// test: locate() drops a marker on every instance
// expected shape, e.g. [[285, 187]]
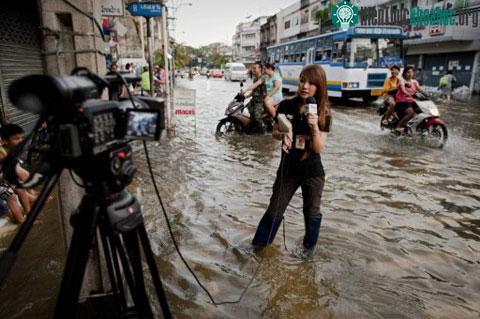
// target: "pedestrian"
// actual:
[[446, 84], [300, 164], [115, 91], [160, 75]]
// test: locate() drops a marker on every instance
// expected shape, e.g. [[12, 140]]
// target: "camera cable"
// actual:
[[170, 230]]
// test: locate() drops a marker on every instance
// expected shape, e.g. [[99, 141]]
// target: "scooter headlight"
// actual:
[[434, 112]]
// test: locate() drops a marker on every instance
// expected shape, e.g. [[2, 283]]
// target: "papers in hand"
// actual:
[[284, 125]]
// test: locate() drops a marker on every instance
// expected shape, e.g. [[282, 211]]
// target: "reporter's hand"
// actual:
[[287, 142], [312, 120]]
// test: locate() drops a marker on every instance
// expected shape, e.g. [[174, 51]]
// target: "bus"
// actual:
[[356, 60]]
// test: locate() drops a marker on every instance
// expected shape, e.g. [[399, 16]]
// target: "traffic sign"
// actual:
[[145, 9]]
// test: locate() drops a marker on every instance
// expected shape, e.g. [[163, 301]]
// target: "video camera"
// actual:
[[85, 133], [90, 136]]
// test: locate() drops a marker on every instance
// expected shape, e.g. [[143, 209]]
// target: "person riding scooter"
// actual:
[[389, 90], [258, 91], [405, 102]]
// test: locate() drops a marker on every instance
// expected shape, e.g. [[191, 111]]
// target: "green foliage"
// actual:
[[322, 14], [211, 55], [158, 57]]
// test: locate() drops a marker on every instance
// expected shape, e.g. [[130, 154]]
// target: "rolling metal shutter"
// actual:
[[20, 54]]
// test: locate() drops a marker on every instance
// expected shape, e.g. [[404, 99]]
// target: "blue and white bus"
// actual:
[[356, 61]]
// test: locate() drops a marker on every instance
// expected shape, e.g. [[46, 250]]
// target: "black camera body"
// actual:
[[96, 124]]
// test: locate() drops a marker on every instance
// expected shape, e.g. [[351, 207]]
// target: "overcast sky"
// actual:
[[208, 21]]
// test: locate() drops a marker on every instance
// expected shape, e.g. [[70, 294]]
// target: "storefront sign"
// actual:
[[184, 102], [145, 9], [111, 7]]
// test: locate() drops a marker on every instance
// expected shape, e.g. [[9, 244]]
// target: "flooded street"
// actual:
[[401, 230], [400, 236]]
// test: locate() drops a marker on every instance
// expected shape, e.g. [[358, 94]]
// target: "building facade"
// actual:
[[299, 20], [438, 49], [268, 35], [246, 41], [45, 37]]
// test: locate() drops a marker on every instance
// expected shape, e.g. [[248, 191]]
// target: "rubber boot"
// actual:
[[266, 230], [312, 229]]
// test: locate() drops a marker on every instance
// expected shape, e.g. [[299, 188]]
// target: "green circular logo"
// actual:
[[344, 15]]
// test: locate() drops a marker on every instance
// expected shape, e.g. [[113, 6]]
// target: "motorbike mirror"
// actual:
[[241, 83]]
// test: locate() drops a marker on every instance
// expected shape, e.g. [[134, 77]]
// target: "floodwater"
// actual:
[[400, 236]]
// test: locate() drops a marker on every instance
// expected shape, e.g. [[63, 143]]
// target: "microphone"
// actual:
[[311, 105]]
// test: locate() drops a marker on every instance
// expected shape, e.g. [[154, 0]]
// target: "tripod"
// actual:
[[122, 232], [118, 218]]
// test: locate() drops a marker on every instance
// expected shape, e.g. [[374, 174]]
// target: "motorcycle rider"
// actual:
[[258, 91], [274, 89], [389, 87], [405, 102]]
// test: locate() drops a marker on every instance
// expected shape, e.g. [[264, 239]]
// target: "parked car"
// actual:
[[236, 72], [216, 74]]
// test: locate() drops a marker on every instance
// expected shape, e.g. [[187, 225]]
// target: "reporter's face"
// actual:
[[306, 89]]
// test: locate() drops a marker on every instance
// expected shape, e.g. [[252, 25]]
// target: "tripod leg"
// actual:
[[126, 267], [113, 268], [82, 238], [131, 242], [157, 282]]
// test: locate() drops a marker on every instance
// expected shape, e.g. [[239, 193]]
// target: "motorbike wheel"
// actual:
[[438, 134], [229, 126]]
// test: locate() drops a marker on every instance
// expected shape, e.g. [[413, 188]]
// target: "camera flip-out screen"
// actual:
[[143, 124]]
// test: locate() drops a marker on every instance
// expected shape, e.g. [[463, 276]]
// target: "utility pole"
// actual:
[[150, 57], [168, 99]]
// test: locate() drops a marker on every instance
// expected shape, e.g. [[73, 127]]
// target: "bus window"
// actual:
[[337, 56], [318, 54], [326, 55], [302, 57]]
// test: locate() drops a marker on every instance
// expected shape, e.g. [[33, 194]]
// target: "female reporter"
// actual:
[[300, 165]]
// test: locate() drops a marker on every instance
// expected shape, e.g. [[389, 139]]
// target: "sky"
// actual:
[[208, 21]]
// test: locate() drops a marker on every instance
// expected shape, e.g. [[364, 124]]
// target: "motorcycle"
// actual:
[[236, 122], [426, 123]]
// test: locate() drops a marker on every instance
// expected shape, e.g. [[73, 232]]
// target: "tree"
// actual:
[[323, 14]]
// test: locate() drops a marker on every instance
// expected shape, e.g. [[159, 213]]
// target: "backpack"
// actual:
[[443, 81]]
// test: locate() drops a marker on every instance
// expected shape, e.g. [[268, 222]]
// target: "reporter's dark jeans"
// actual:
[[283, 190]]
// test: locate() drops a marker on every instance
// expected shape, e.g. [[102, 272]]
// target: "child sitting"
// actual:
[[12, 135], [7, 194]]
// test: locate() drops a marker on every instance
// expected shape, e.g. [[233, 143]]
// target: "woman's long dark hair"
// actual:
[[408, 68], [315, 75]]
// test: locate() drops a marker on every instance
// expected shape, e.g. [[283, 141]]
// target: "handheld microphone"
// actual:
[[311, 105]]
